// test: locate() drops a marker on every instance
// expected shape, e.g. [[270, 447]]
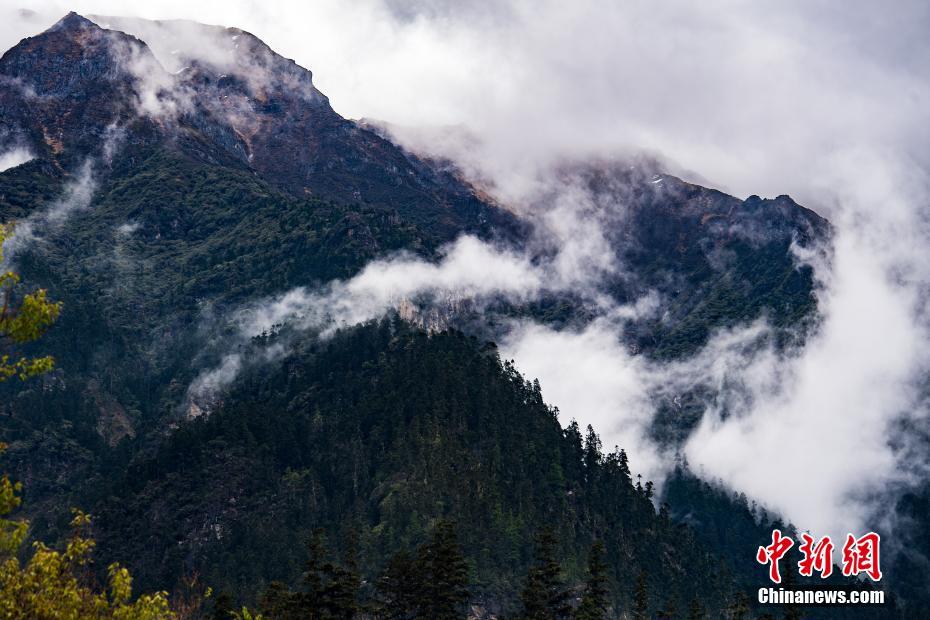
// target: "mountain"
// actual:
[[74, 86], [160, 200]]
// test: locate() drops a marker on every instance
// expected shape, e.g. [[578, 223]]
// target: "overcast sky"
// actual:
[[755, 96]]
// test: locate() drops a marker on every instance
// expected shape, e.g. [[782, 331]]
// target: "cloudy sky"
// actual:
[[826, 101], [755, 96]]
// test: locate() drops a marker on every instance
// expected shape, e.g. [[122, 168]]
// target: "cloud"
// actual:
[[76, 196], [592, 377], [469, 269], [819, 438], [14, 157]]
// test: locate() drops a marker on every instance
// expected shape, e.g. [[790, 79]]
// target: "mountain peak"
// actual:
[[72, 21]]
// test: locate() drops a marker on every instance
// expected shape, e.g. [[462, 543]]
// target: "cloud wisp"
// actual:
[[14, 157]]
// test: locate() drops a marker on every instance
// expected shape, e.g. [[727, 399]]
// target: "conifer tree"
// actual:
[[696, 611], [277, 602], [544, 596], [669, 611], [592, 450], [792, 611], [445, 573], [595, 600], [739, 608], [339, 595], [398, 589], [641, 598], [330, 591]]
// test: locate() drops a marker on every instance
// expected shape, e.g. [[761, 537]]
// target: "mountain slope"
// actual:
[[163, 198], [78, 90], [383, 430]]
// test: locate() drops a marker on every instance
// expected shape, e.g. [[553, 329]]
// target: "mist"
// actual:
[[76, 196], [14, 157], [824, 101]]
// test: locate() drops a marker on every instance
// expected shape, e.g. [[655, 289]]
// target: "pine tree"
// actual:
[[399, 588], [308, 601], [544, 596], [625, 465], [696, 611], [739, 608], [641, 598], [442, 565], [278, 602], [792, 610], [330, 591], [669, 611], [595, 601], [339, 595]]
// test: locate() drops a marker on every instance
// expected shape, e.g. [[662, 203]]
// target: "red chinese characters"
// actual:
[[860, 555], [774, 552], [817, 557]]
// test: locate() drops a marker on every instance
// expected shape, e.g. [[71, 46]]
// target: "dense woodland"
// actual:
[[374, 437]]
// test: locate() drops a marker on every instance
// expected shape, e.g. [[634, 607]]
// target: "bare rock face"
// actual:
[[62, 89], [438, 314], [113, 423]]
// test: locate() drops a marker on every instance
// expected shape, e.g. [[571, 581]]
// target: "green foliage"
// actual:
[[595, 601], [641, 598], [21, 322], [382, 428], [52, 584], [545, 596], [443, 573], [398, 587], [329, 590], [387, 430], [434, 584]]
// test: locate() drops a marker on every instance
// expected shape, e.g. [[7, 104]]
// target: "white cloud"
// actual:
[[76, 196], [14, 157]]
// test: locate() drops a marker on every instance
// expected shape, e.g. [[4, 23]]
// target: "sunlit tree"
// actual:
[[22, 319]]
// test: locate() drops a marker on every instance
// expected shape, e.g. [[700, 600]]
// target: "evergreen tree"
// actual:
[[544, 596], [792, 610], [592, 450], [277, 602], [696, 611], [739, 608], [330, 591], [641, 598], [398, 589], [308, 601], [595, 600], [444, 590], [669, 611]]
